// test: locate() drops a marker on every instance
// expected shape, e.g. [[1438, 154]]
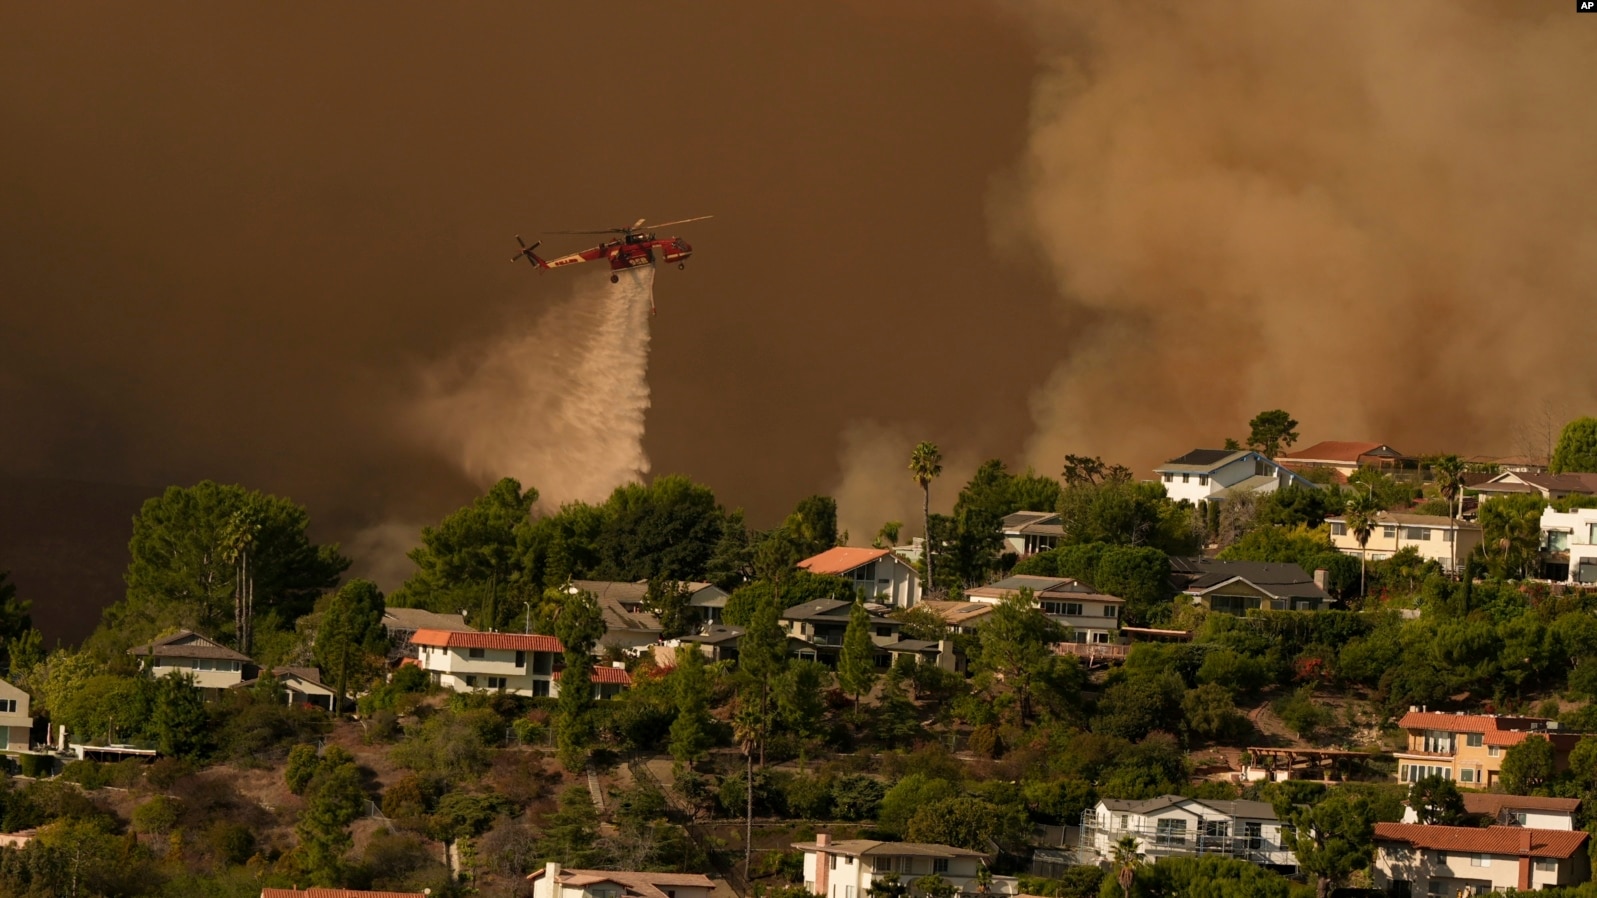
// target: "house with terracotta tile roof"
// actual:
[[879, 573], [1344, 458], [315, 892], [1469, 748], [213, 666], [553, 881], [1415, 860], [1533, 811], [1430, 535], [1216, 474], [467, 660]]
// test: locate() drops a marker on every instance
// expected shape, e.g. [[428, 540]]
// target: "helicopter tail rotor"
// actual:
[[527, 252]]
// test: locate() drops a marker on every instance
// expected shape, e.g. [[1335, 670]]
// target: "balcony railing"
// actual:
[[1092, 651]]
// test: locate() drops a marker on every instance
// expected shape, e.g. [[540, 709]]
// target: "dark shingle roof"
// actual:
[[1277, 579], [1205, 457], [187, 644]]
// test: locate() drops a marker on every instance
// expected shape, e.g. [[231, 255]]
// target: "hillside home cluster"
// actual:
[[1528, 843]]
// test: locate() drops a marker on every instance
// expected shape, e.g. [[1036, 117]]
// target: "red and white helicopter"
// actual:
[[632, 249]]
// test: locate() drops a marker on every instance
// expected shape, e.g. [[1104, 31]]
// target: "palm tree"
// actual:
[[1125, 862], [1449, 473], [1361, 512], [925, 463]]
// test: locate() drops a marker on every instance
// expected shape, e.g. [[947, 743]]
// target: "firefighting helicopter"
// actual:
[[632, 249]]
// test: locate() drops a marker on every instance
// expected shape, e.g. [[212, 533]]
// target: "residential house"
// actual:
[[1569, 545], [1548, 486], [1343, 459], [718, 641], [960, 616], [609, 680], [466, 660], [1532, 811], [1415, 860], [940, 653], [628, 622], [1172, 826], [213, 666], [1237, 587], [1469, 748], [706, 602], [315, 892], [301, 686], [400, 623], [18, 839], [848, 868], [1029, 532], [1216, 474], [555, 882], [1430, 535], [1092, 616], [816, 630], [16, 726], [879, 573]]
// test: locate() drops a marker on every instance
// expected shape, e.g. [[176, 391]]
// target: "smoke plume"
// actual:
[[1373, 215], [559, 404]]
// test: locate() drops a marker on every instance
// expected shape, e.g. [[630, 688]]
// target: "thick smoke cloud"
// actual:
[[1374, 215]]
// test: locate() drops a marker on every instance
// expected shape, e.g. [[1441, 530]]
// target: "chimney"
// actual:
[[1524, 841], [1321, 578], [823, 863], [550, 886]]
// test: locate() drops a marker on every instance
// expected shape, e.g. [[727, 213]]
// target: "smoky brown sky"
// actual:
[[233, 234], [236, 236]]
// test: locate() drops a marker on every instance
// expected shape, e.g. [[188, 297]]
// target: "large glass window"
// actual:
[[1170, 832], [1557, 540], [1338, 528]]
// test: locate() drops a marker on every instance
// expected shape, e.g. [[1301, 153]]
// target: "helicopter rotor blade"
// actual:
[[601, 231], [668, 224]]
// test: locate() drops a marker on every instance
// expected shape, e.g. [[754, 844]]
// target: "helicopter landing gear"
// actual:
[[615, 278]]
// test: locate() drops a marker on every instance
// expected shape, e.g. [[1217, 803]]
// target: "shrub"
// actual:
[[88, 774], [157, 816]]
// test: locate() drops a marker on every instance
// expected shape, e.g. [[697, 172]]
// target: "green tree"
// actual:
[[856, 664], [887, 537], [967, 822], [670, 528], [1331, 838], [933, 885], [925, 465], [333, 800], [762, 657], [1270, 432], [813, 525], [350, 640], [303, 762], [1528, 766], [178, 719], [1360, 519], [1511, 534], [1017, 649], [579, 627], [184, 570], [472, 559], [1448, 470], [690, 686], [1437, 801], [668, 599], [1577, 447], [16, 623], [908, 795]]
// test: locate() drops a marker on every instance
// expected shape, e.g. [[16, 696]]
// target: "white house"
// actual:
[[554, 882], [1412, 859], [1029, 532], [1569, 545], [882, 575], [214, 667], [1529, 811], [1171, 825], [1214, 474], [16, 727], [1548, 486], [1430, 535], [1091, 615], [846, 869], [521, 664], [707, 601]]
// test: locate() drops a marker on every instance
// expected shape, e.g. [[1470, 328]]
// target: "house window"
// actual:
[[1467, 775], [540, 688], [521, 659], [1216, 829], [1493, 751], [1546, 865], [1169, 477], [474, 653], [1517, 818], [1111, 611], [496, 682], [1557, 541], [8, 706], [834, 862], [471, 682], [1474, 740], [1338, 528], [940, 865], [1186, 478], [1480, 860], [1254, 833], [1591, 533], [1125, 822], [1438, 742], [1170, 832], [1388, 531], [1418, 533], [1203, 480]]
